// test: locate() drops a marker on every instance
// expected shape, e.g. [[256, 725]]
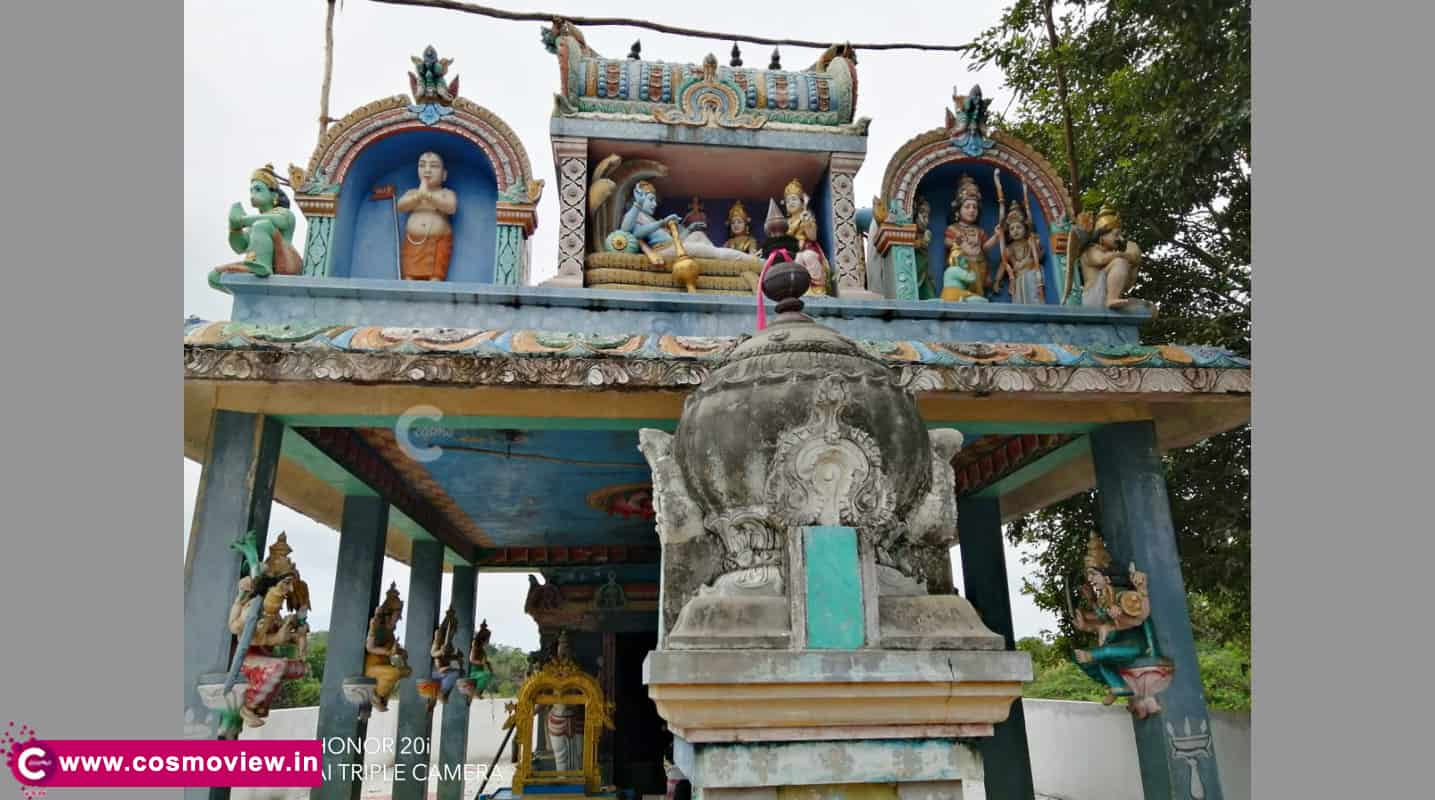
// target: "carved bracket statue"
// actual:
[[1116, 607]]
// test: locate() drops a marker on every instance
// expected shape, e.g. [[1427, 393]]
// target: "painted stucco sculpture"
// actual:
[[276, 649], [800, 426], [1109, 262], [965, 237], [1115, 605], [802, 226], [385, 660], [448, 662], [480, 672], [923, 220], [428, 238], [1020, 258], [739, 230], [264, 239], [969, 130], [961, 283], [655, 239]]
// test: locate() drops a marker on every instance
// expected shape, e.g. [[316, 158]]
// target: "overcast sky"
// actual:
[[253, 71]]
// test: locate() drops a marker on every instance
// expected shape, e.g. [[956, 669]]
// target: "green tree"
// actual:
[[1159, 94], [305, 691]]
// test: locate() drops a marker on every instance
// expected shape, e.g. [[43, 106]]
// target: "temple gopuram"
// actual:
[[736, 437]]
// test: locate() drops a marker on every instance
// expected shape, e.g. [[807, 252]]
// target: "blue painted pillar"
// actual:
[[1006, 758], [356, 595], [236, 488], [411, 757], [453, 732], [1174, 747]]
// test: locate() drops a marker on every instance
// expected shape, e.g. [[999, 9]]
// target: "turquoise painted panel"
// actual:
[[834, 588], [904, 271], [318, 245], [508, 260]]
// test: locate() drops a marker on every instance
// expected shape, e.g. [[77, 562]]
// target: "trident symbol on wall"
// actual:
[[1191, 748]]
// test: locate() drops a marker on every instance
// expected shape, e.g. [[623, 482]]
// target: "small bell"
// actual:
[[776, 60], [736, 56]]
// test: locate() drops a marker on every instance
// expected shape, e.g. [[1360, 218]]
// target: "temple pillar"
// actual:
[[453, 734], [415, 720], [516, 222], [1174, 747], [842, 217], [1006, 759], [236, 489], [570, 156], [356, 594], [895, 243], [319, 202]]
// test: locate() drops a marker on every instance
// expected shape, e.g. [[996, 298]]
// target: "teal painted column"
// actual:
[[421, 607], [904, 271], [1006, 758], [236, 489], [508, 256], [1174, 748], [453, 732], [356, 595], [318, 245]]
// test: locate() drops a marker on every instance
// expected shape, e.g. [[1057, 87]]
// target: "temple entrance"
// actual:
[[642, 738]]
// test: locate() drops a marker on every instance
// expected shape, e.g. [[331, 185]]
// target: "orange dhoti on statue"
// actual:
[[428, 259]]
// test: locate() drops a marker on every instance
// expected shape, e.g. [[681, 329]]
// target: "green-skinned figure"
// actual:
[[265, 239]]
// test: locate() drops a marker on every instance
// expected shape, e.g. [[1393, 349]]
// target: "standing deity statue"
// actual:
[[1021, 259], [428, 237], [385, 660], [739, 230], [923, 219], [802, 226], [654, 238], [565, 721], [965, 238], [1109, 263], [265, 239]]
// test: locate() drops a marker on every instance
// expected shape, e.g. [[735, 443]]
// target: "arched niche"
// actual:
[[365, 232], [930, 165], [378, 145]]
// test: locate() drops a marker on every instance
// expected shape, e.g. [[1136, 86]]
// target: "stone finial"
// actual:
[[636, 52], [784, 284], [736, 56]]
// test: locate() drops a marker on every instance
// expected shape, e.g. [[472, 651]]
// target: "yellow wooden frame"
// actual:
[[560, 681]]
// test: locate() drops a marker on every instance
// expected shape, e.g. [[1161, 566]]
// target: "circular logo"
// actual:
[[34, 763]]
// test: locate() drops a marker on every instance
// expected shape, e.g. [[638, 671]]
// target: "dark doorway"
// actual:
[[641, 737]]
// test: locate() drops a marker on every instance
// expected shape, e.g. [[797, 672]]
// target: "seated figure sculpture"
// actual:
[[1116, 607], [1108, 264], [802, 226], [265, 239], [960, 283], [479, 670], [277, 649], [385, 660], [428, 237], [652, 235], [739, 230], [448, 664]]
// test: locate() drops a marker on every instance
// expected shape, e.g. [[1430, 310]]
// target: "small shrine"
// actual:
[[734, 440]]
